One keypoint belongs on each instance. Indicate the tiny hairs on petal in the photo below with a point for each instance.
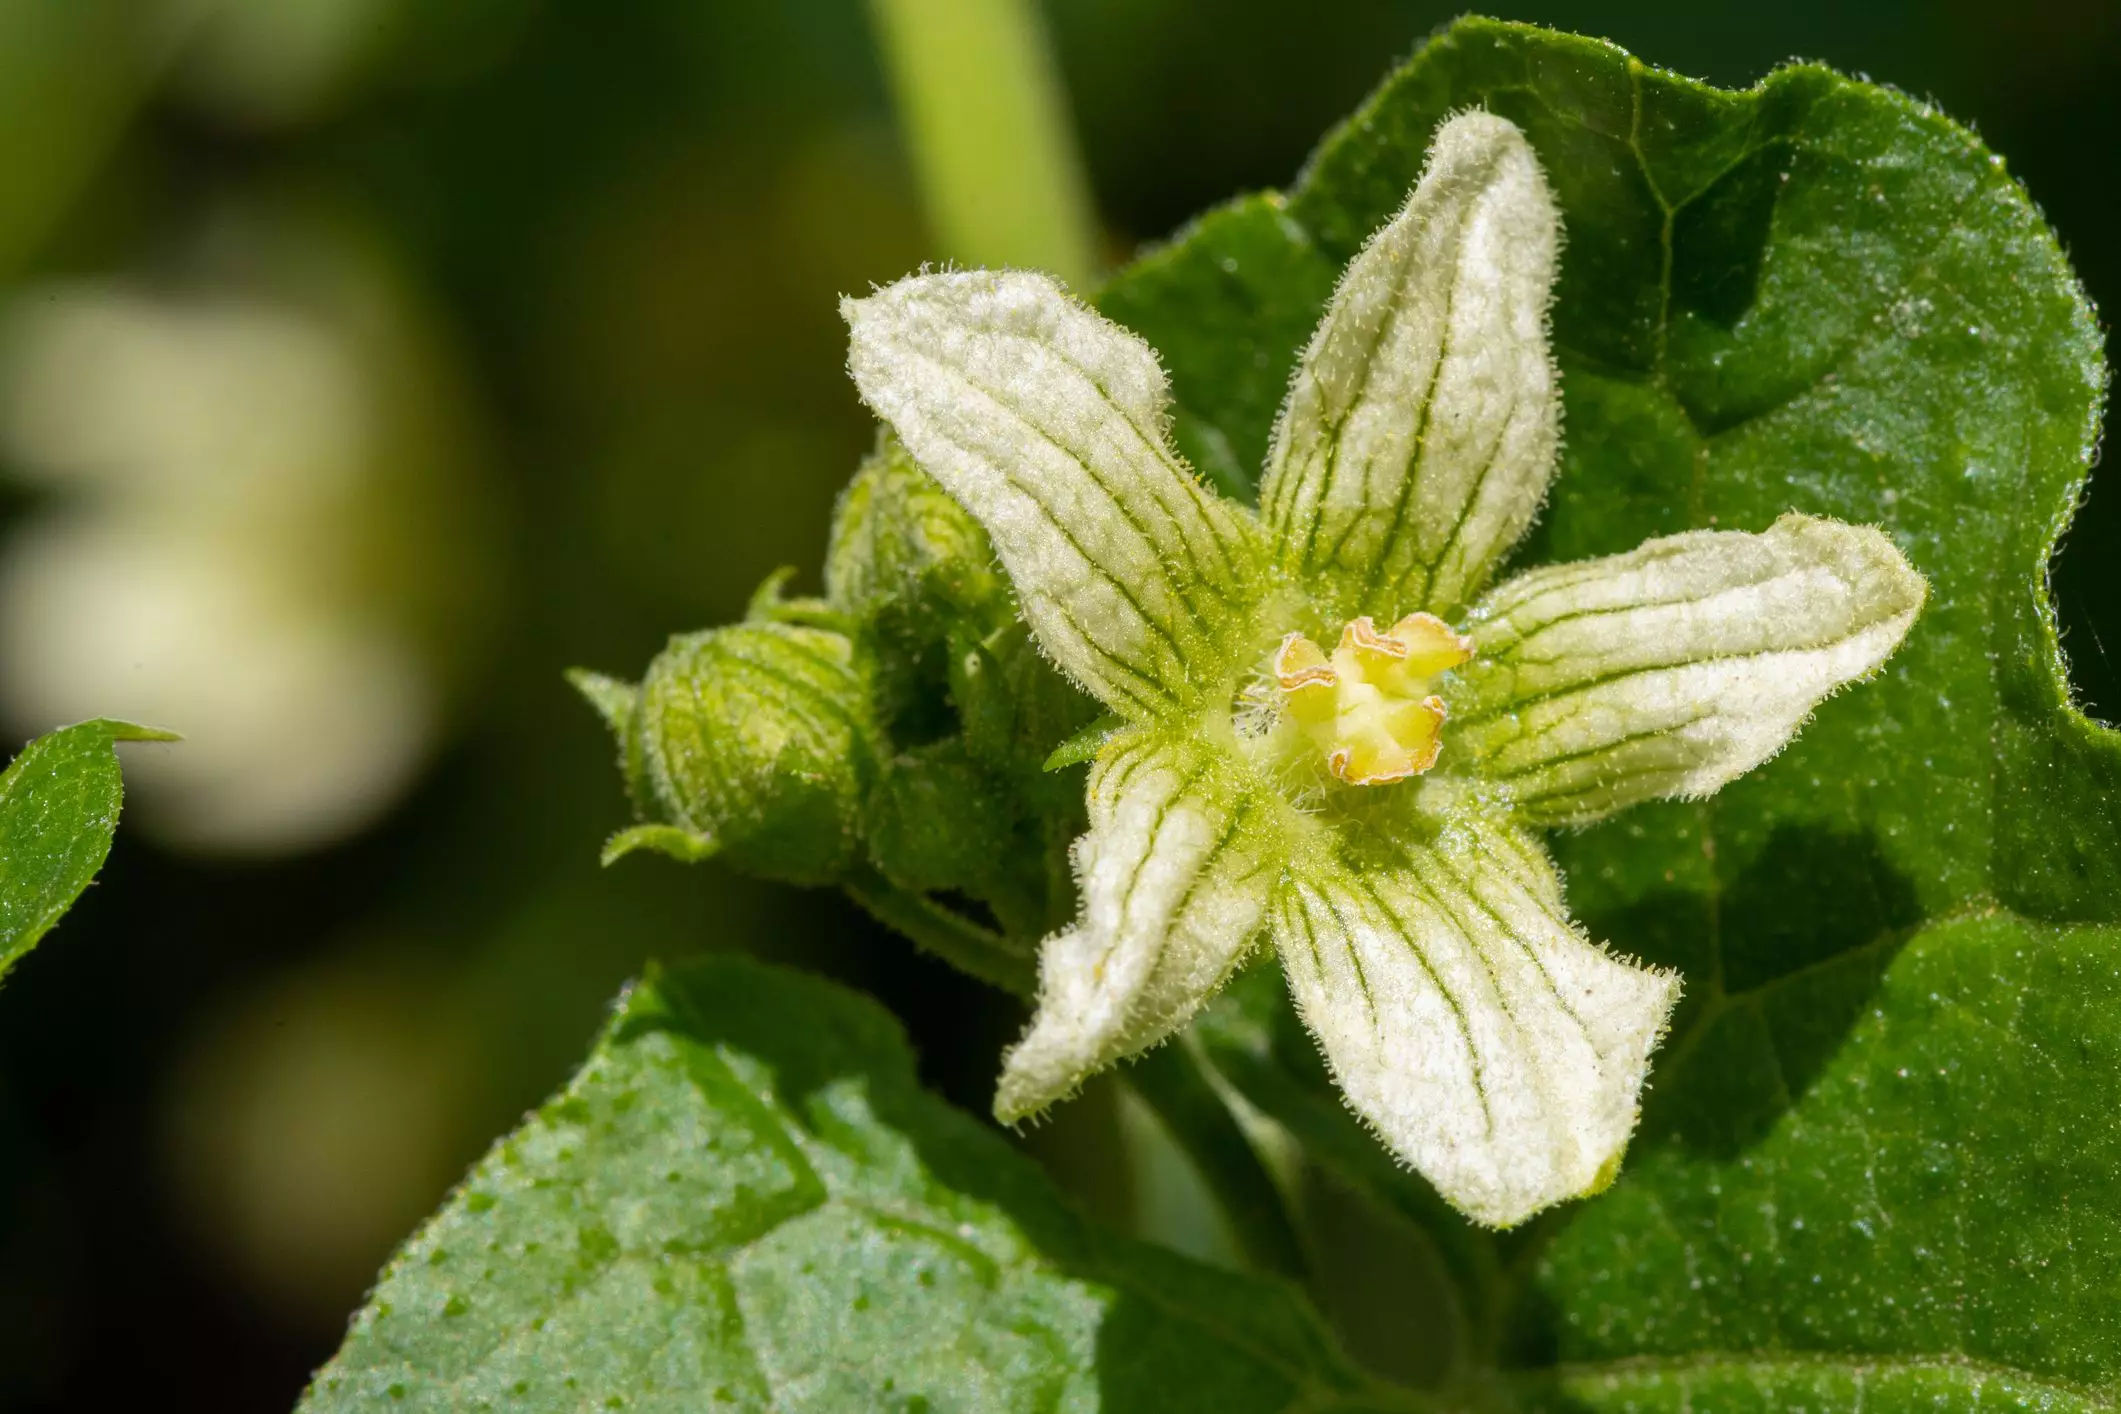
(1173, 885)
(1420, 433)
(1486, 1040)
(1046, 421)
(1673, 669)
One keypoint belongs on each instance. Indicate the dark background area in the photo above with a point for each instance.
(612, 236)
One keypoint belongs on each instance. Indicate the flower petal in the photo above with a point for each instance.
(1174, 880)
(1492, 1046)
(1420, 433)
(1046, 421)
(1672, 669)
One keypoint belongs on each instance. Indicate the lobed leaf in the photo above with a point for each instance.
(1878, 1152)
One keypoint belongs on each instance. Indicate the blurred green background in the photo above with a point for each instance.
(363, 364)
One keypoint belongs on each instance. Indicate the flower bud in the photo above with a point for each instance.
(751, 743)
(913, 573)
(900, 542)
(937, 819)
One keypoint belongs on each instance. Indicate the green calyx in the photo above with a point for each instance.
(890, 736)
(752, 742)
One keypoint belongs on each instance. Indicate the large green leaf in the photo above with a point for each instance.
(746, 1200)
(58, 809)
(1881, 1153)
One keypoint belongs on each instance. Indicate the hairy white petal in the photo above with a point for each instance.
(1420, 433)
(1174, 880)
(1490, 1044)
(1676, 667)
(1046, 421)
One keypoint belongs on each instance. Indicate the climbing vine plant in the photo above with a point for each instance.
(1692, 910)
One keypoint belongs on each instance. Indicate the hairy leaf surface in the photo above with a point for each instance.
(1878, 1162)
(745, 1200)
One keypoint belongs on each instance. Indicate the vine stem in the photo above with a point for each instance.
(986, 125)
(1173, 1081)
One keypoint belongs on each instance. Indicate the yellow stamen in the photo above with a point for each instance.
(1368, 708)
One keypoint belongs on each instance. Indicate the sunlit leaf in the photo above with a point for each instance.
(1878, 1159)
(745, 1200)
(58, 809)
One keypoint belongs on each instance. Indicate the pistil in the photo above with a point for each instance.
(1369, 707)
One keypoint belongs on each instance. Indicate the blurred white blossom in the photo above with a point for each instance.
(254, 536)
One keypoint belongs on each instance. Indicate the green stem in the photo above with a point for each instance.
(1171, 1079)
(984, 118)
(955, 939)
(1173, 1082)
(1330, 1136)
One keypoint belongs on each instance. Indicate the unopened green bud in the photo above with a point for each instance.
(900, 542)
(751, 743)
(908, 570)
(1014, 709)
(940, 821)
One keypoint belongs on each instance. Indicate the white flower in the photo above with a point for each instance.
(266, 538)
(1366, 804)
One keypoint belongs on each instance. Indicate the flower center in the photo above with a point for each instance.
(1368, 708)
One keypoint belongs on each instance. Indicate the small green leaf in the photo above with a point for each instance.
(58, 809)
(669, 841)
(744, 1200)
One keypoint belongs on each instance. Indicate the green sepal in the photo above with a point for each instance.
(1085, 744)
(684, 846)
(770, 604)
(766, 600)
(758, 738)
(614, 698)
(618, 702)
